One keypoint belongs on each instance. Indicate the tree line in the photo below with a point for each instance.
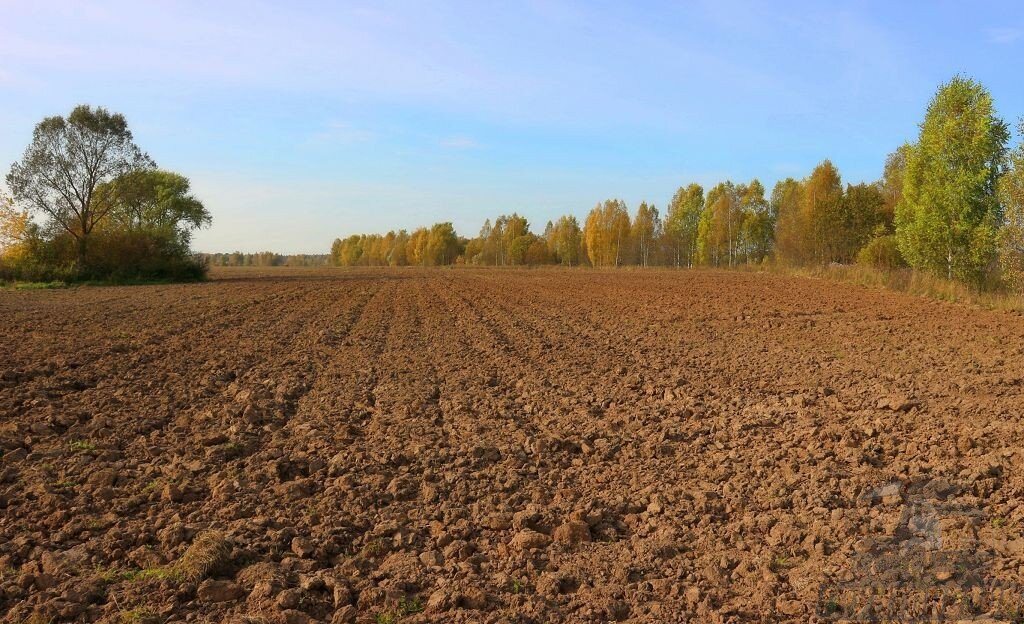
(951, 204)
(87, 203)
(263, 259)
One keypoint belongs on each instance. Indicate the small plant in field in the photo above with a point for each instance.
(998, 522)
(517, 586)
(146, 574)
(405, 606)
(375, 547)
(137, 615)
(780, 562)
(831, 607)
(108, 574)
(82, 445)
(64, 484)
(152, 486)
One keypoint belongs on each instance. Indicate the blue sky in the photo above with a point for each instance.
(302, 121)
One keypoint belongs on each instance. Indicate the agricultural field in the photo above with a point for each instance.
(417, 445)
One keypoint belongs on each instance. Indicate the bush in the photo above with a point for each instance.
(141, 255)
(881, 252)
(115, 255)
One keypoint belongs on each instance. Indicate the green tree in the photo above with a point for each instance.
(1011, 238)
(152, 200)
(565, 240)
(681, 221)
(66, 161)
(719, 226)
(948, 219)
(863, 213)
(757, 224)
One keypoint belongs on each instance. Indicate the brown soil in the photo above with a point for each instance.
(502, 446)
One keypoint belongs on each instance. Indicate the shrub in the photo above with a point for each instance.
(881, 252)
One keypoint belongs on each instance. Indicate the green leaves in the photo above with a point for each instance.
(947, 220)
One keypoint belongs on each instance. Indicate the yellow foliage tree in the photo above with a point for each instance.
(13, 229)
(606, 233)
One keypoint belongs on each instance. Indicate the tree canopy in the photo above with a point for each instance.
(949, 215)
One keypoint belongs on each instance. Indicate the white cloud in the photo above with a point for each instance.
(1004, 36)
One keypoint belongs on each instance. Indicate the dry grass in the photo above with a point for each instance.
(208, 552)
(905, 281)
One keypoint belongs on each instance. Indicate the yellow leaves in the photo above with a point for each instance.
(13, 230)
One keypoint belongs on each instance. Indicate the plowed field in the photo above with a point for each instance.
(503, 446)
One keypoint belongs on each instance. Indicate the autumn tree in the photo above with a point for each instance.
(821, 208)
(892, 182)
(718, 228)
(606, 233)
(645, 230)
(863, 214)
(681, 221)
(565, 240)
(67, 160)
(14, 230)
(948, 220)
(790, 224)
(757, 225)
(442, 246)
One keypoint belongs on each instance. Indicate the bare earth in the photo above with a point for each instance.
(502, 446)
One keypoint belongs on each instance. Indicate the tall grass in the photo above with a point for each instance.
(906, 281)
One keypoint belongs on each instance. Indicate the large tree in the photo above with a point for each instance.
(948, 219)
(67, 160)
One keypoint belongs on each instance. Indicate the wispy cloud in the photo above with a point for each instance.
(459, 142)
(1005, 36)
(342, 132)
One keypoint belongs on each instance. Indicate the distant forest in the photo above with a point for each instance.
(265, 259)
(950, 204)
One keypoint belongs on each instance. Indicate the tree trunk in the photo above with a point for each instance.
(82, 248)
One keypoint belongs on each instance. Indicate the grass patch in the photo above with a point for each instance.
(94, 283)
(137, 615)
(152, 573)
(33, 285)
(405, 606)
(82, 445)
